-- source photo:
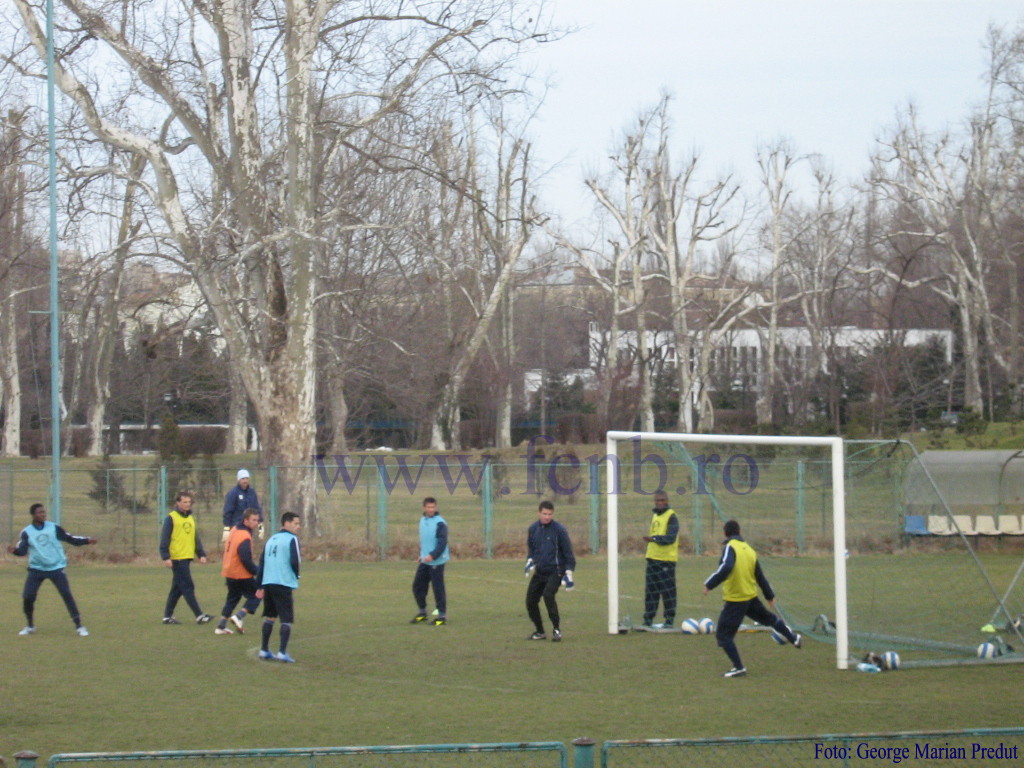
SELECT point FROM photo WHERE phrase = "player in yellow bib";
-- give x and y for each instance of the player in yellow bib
(740, 575)
(179, 546)
(662, 554)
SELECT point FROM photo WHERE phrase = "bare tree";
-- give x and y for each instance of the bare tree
(952, 197)
(501, 206)
(100, 305)
(625, 197)
(235, 93)
(687, 217)
(15, 244)
(775, 161)
(822, 248)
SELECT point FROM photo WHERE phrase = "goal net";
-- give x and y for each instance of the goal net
(837, 527)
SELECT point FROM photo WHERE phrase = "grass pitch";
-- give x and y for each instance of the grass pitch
(365, 676)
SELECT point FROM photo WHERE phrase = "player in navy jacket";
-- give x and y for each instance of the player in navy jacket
(550, 563)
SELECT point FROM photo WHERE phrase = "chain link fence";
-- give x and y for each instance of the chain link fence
(980, 746)
(499, 755)
(366, 506)
(988, 746)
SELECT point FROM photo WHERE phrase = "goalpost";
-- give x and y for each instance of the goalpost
(859, 541)
(833, 444)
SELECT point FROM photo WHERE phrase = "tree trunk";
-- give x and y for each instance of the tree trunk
(10, 384)
(338, 412)
(238, 413)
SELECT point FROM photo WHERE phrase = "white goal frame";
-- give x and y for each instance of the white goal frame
(835, 444)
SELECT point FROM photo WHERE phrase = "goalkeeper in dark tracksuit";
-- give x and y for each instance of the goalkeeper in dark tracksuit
(740, 575)
(549, 564)
(662, 554)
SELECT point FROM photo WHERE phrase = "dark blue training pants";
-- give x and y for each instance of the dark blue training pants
(34, 580)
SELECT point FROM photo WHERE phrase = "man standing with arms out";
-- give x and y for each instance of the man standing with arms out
(239, 572)
(740, 575)
(550, 560)
(41, 541)
(179, 546)
(278, 577)
(662, 554)
(430, 571)
(238, 500)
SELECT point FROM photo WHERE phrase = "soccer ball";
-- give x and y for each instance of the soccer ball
(705, 626)
(778, 637)
(690, 627)
(988, 651)
(891, 660)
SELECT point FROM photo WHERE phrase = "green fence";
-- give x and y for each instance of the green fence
(370, 508)
(983, 746)
(552, 754)
(980, 746)
(369, 504)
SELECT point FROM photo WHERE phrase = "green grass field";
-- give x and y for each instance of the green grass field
(365, 676)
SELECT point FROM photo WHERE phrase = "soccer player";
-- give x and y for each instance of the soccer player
(239, 499)
(740, 575)
(239, 572)
(41, 541)
(662, 554)
(179, 546)
(430, 571)
(550, 563)
(278, 577)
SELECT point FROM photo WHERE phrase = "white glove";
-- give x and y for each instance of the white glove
(528, 570)
(224, 538)
(261, 531)
(567, 581)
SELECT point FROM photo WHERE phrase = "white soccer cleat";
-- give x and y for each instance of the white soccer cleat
(238, 624)
(222, 631)
(82, 632)
(28, 631)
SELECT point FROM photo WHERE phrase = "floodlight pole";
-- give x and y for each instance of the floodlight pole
(55, 372)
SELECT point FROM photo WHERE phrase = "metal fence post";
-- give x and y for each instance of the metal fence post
(161, 493)
(488, 496)
(698, 513)
(800, 507)
(382, 514)
(583, 753)
(25, 759)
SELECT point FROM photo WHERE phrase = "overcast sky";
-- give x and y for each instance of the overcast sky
(826, 74)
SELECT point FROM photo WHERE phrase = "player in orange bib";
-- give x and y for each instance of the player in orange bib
(239, 572)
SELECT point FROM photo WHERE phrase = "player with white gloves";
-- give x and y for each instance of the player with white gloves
(549, 565)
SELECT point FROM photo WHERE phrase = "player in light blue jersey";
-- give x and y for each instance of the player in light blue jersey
(278, 577)
(41, 541)
(430, 571)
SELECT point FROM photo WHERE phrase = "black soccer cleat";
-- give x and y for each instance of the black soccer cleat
(537, 636)
(419, 618)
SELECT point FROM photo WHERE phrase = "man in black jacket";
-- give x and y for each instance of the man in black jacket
(239, 499)
(551, 562)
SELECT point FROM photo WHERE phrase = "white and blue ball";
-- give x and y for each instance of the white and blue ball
(705, 626)
(988, 651)
(890, 661)
(690, 627)
(778, 637)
